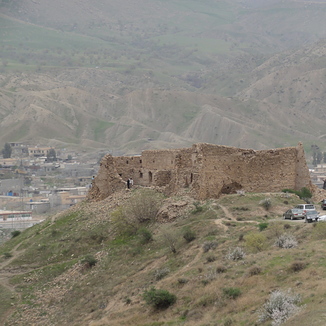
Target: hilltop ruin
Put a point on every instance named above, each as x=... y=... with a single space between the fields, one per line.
x=205 y=171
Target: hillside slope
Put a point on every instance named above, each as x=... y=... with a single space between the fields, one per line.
x=77 y=268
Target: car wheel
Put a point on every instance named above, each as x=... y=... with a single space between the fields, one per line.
x=292 y=217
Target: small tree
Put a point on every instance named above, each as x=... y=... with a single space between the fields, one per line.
x=51 y=155
x=7 y=150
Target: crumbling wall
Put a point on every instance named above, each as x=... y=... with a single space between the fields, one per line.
x=226 y=169
x=107 y=180
x=206 y=170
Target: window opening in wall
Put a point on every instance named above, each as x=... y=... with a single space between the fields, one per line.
x=150 y=177
x=191 y=177
x=140 y=174
x=120 y=174
x=127 y=162
x=140 y=161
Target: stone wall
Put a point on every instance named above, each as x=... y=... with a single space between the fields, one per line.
x=205 y=170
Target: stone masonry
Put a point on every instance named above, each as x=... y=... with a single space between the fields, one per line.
x=205 y=171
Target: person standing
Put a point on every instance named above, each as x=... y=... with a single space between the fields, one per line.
x=128 y=184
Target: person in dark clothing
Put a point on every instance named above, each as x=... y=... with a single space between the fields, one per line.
x=128 y=183
x=324 y=186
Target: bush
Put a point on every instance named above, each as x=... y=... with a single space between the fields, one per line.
x=297 y=266
x=208 y=245
x=144 y=205
x=220 y=269
x=170 y=238
x=262 y=226
x=189 y=235
x=280 y=307
x=7 y=255
x=303 y=193
x=145 y=235
x=15 y=233
x=89 y=260
x=236 y=253
x=254 y=270
x=160 y=273
x=286 y=241
x=210 y=258
x=266 y=203
x=183 y=280
x=255 y=242
x=231 y=293
x=141 y=209
x=159 y=299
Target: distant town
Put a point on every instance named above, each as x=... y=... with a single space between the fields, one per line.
x=36 y=181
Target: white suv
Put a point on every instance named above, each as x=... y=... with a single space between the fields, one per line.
x=306 y=207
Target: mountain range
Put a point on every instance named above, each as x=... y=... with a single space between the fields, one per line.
x=124 y=76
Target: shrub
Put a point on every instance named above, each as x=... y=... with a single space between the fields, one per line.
x=145 y=235
x=159 y=299
x=160 y=273
x=170 y=238
x=89 y=260
x=266 y=203
x=183 y=280
x=297 y=266
x=231 y=293
x=7 y=255
x=189 y=235
x=236 y=253
x=220 y=269
x=208 y=245
x=262 y=226
x=144 y=205
x=286 y=241
x=210 y=258
x=255 y=242
x=280 y=306
x=254 y=270
x=303 y=193
x=141 y=208
x=287 y=226
x=15 y=233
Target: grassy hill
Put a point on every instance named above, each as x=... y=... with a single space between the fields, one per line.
x=218 y=257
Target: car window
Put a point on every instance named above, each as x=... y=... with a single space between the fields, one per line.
x=310 y=207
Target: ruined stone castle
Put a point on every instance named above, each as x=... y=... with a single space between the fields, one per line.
x=205 y=171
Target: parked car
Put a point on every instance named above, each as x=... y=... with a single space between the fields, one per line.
x=322 y=218
x=294 y=213
x=306 y=207
x=312 y=216
x=323 y=204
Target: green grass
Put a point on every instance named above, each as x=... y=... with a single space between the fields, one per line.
x=125 y=267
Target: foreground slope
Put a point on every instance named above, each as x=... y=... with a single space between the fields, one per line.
x=77 y=268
